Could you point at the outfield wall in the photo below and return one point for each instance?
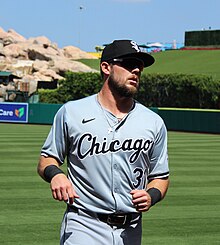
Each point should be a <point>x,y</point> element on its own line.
<point>190,120</point>
<point>42,113</point>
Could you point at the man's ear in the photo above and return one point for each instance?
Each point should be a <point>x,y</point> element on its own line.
<point>105,68</point>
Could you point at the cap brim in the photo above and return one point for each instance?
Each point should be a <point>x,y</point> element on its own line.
<point>147,59</point>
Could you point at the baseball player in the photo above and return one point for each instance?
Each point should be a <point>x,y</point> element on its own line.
<point>116,151</point>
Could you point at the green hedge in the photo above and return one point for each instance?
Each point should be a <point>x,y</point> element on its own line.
<point>75,86</point>
<point>180,90</point>
<point>156,90</point>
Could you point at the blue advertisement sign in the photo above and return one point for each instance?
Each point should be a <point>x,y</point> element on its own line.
<point>14,112</point>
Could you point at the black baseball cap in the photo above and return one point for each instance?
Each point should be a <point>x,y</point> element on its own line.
<point>125,49</point>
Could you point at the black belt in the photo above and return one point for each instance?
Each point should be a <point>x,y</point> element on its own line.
<point>113,219</point>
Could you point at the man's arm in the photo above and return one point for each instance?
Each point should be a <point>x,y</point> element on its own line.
<point>60,185</point>
<point>144,199</point>
<point>160,184</point>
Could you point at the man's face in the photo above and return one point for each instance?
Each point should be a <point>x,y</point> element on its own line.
<point>124,77</point>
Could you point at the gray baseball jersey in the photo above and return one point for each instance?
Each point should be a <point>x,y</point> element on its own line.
<point>107,158</point>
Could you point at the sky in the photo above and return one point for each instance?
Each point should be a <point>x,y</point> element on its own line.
<point>90,23</point>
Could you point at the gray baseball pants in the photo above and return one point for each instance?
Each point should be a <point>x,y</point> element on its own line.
<point>81,228</point>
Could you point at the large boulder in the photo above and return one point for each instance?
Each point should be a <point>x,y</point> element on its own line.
<point>49,74</point>
<point>62,65</point>
<point>14,50</point>
<point>3,34</point>
<point>40,65</point>
<point>42,40</point>
<point>21,67</point>
<point>16,36</point>
<point>10,37</point>
<point>76,54</point>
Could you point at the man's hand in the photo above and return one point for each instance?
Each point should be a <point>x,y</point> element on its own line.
<point>62,189</point>
<point>141,200</point>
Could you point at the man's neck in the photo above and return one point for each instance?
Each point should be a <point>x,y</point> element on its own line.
<point>117,105</point>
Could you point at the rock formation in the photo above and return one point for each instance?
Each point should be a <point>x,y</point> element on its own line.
<point>38,59</point>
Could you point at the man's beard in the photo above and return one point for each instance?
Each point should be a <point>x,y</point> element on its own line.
<point>121,89</point>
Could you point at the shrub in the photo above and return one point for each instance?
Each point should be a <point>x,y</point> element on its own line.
<point>179,90</point>
<point>156,90</point>
<point>78,85</point>
<point>49,96</point>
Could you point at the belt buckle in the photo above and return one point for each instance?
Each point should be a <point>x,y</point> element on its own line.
<point>116,219</point>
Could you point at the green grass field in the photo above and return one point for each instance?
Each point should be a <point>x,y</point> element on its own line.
<point>190,214</point>
<point>205,62</point>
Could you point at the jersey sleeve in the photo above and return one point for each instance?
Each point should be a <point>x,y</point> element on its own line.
<point>56,143</point>
<point>159,157</point>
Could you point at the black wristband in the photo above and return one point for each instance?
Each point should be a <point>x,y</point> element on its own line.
<point>155,195</point>
<point>50,171</point>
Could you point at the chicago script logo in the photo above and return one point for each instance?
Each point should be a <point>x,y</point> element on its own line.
<point>88,145</point>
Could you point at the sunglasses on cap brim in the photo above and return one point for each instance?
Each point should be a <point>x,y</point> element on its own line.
<point>129,63</point>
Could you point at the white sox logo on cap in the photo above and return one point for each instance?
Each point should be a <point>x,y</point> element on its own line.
<point>135,46</point>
